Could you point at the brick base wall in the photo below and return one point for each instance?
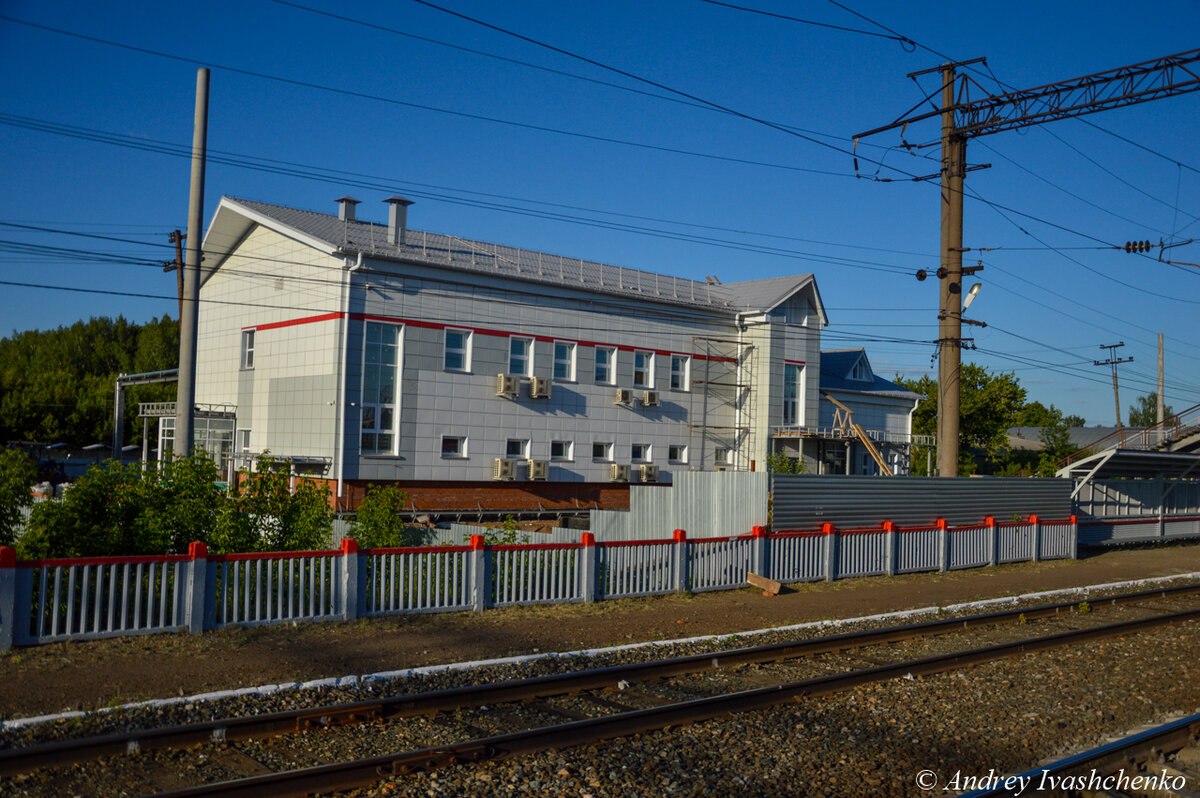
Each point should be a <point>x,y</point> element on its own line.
<point>435,496</point>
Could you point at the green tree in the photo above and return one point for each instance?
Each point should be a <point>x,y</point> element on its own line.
<point>1144,412</point>
<point>1056,444</point>
<point>17,474</point>
<point>988,406</point>
<point>780,463</point>
<point>117,509</point>
<point>57,385</point>
<point>378,524</point>
<point>264,514</point>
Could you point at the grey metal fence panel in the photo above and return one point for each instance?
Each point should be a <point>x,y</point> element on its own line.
<point>1181,528</point>
<point>1014,542</point>
<point>94,600</point>
<point>969,546</point>
<point>805,501</point>
<point>610,525</point>
<point>796,558</point>
<point>917,550</point>
<point>416,581</point>
<point>1137,498</point>
<point>719,564</point>
<point>862,554</point>
<point>645,569</point>
<point>1055,541</point>
<point>276,588</point>
<point>540,575</point>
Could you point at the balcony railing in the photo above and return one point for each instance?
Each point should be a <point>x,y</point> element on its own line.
<point>836,433</point>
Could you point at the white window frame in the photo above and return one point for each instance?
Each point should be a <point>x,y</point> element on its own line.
<point>647,369</point>
<point>527,356</point>
<point>647,455</point>
<point>568,363</point>
<point>723,455</point>
<point>522,447</point>
<point>861,372</point>
<point>568,454</point>
<point>677,453</point>
<point>248,349</point>
<point>465,350</point>
<point>683,372</point>
<point>380,408</point>
<point>609,354</point>
<point>793,406</point>
<point>606,455</point>
<point>461,454</point>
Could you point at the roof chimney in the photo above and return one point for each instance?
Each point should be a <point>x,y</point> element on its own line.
<point>397,218</point>
<point>346,208</point>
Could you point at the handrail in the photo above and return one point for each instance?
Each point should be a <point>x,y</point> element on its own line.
<point>1141,438</point>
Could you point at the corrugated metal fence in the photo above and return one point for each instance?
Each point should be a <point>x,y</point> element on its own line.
<point>805,501</point>
<point>44,601</point>
<point>705,503</point>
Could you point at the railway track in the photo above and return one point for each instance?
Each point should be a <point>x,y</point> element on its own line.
<point>249,757</point>
<point>1161,760</point>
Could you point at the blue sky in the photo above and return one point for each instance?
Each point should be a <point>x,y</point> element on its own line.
<point>501,140</point>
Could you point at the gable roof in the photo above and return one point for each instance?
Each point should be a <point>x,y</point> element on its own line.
<point>835,368</point>
<point>326,232</point>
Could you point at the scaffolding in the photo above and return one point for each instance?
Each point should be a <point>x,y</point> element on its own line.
<point>722,407</point>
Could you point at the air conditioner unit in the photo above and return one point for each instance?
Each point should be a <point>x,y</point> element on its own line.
<point>650,398</point>
<point>506,386</point>
<point>538,470</point>
<point>618,473</point>
<point>539,388</point>
<point>648,472</point>
<point>502,469</point>
<point>624,396</point>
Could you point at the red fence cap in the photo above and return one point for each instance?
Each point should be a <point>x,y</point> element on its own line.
<point>197,549</point>
<point>349,546</point>
<point>587,539</point>
<point>476,542</point>
<point>680,535</point>
<point>8,557</point>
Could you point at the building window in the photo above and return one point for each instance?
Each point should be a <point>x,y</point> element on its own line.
<point>677,453</point>
<point>517,449</point>
<point>640,453</point>
<point>605,368</point>
<point>721,455</point>
<point>454,446</point>
<point>602,451</point>
<point>791,395</point>
<point>247,349</point>
<point>520,358</point>
<point>680,372</point>
<point>457,355</point>
<point>562,450</point>
<point>381,364</point>
<point>861,372</point>
<point>643,369</point>
<point>241,441</point>
<point>564,361</point>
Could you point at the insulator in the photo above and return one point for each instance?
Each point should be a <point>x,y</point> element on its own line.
<point>1129,246</point>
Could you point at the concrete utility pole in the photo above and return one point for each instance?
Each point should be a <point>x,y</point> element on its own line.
<point>954,161</point>
<point>1114,364</point>
<point>185,400</point>
<point>964,118</point>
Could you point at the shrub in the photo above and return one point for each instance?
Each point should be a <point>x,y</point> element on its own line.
<point>17,474</point>
<point>378,524</point>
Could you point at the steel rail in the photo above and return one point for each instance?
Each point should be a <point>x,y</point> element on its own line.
<point>364,772</point>
<point>1169,737</point>
<point>63,752</point>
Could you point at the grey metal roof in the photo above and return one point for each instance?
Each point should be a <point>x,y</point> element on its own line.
<point>447,251</point>
<point>837,363</point>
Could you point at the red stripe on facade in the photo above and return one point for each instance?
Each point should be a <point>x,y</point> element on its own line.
<point>434,325</point>
<point>795,362</point>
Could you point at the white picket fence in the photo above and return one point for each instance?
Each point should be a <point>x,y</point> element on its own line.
<point>43,601</point>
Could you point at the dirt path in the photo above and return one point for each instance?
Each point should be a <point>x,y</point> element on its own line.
<point>53,678</point>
